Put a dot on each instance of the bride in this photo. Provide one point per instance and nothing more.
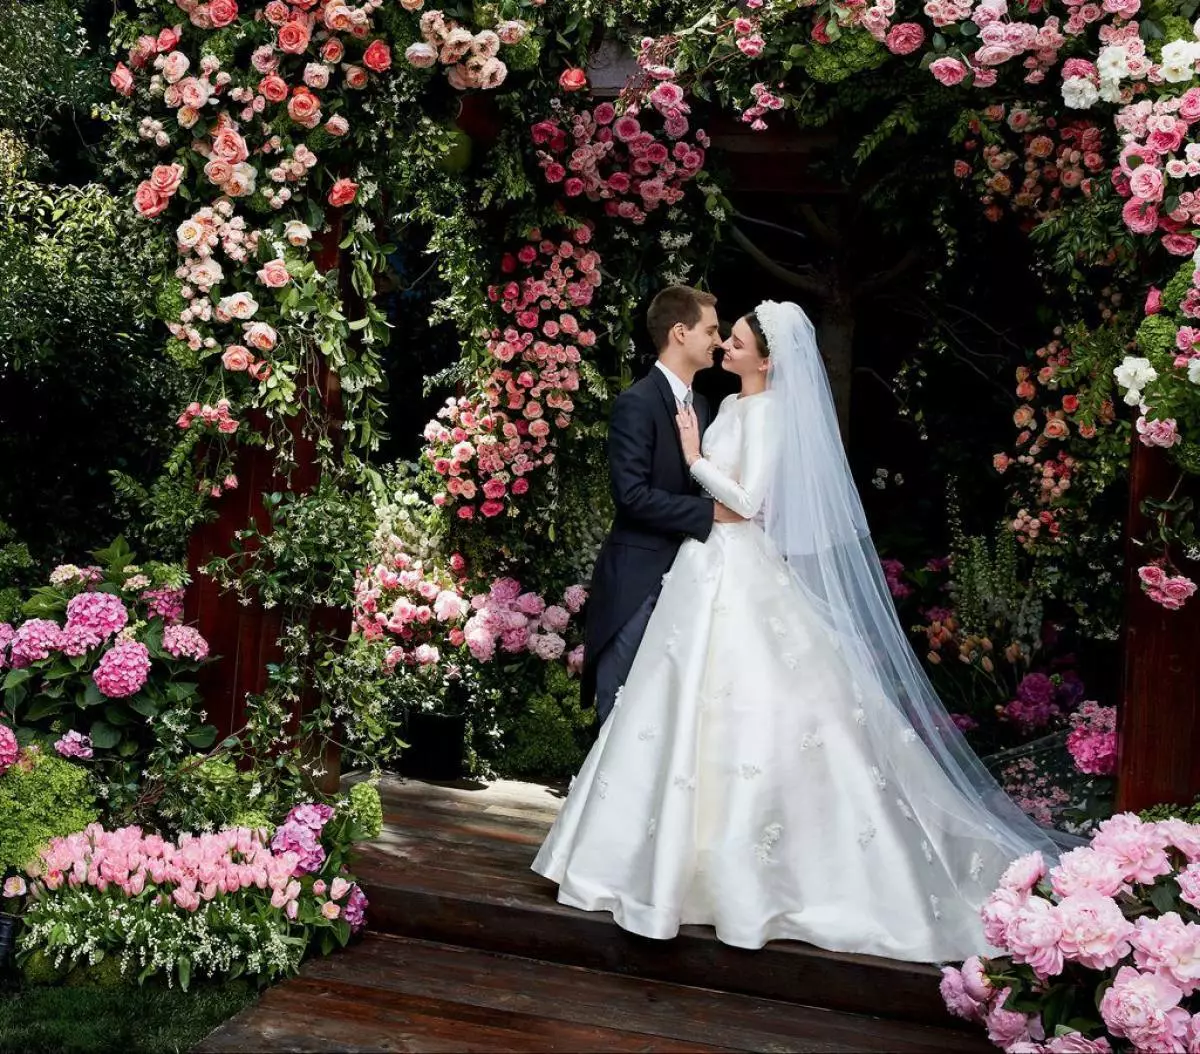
(777, 765)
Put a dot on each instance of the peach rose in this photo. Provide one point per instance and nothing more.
(378, 56)
(237, 358)
(277, 12)
(229, 146)
(122, 79)
(194, 93)
(274, 274)
(166, 178)
(222, 12)
(274, 88)
(186, 118)
(316, 75)
(261, 370)
(261, 336)
(304, 108)
(333, 50)
(421, 55)
(218, 171)
(297, 233)
(356, 77)
(337, 125)
(342, 192)
(1056, 428)
(293, 38)
(174, 66)
(148, 201)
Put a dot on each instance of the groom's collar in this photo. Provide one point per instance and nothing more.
(678, 387)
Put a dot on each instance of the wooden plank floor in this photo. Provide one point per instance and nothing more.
(473, 952)
(394, 994)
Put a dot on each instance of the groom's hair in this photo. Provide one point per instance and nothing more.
(676, 303)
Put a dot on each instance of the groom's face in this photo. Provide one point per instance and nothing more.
(703, 338)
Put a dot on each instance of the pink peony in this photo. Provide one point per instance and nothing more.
(1024, 873)
(998, 911)
(1006, 1028)
(1077, 1043)
(1094, 931)
(1032, 936)
(956, 998)
(1139, 847)
(1145, 1010)
(9, 750)
(1169, 948)
(123, 669)
(1085, 869)
(574, 598)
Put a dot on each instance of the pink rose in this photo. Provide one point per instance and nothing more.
(293, 37)
(1147, 183)
(948, 71)
(337, 125)
(1152, 575)
(905, 38)
(222, 12)
(229, 146)
(274, 274)
(122, 79)
(166, 178)
(304, 108)
(572, 79)
(377, 57)
(169, 37)
(342, 193)
(356, 77)
(148, 201)
(237, 358)
(1141, 217)
(1178, 588)
(261, 336)
(1162, 433)
(333, 50)
(1153, 301)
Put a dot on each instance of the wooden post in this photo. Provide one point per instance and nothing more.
(245, 636)
(1158, 760)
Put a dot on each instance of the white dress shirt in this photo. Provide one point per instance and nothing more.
(679, 389)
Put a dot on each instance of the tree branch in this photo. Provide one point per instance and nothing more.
(880, 281)
(826, 234)
(767, 223)
(808, 282)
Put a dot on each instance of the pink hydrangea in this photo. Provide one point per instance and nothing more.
(101, 614)
(302, 840)
(164, 603)
(1144, 1009)
(313, 815)
(6, 635)
(185, 642)
(35, 639)
(9, 749)
(123, 669)
(74, 745)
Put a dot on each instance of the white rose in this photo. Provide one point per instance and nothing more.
(1079, 93)
(297, 233)
(1178, 62)
(1134, 374)
(1113, 62)
(1194, 371)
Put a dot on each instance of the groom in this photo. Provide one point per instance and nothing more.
(657, 503)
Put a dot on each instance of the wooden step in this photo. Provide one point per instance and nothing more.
(395, 994)
(452, 867)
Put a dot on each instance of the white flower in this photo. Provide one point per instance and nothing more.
(1110, 90)
(1193, 371)
(1079, 93)
(297, 233)
(1178, 62)
(1113, 62)
(1133, 375)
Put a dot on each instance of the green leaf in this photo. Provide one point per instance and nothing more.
(16, 678)
(144, 705)
(42, 707)
(91, 695)
(104, 735)
(202, 737)
(185, 972)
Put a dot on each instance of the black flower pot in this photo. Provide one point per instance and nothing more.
(8, 939)
(435, 746)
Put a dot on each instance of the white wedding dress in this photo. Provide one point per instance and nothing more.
(740, 782)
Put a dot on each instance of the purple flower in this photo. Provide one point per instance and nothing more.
(355, 911)
(74, 745)
(310, 815)
(296, 838)
(1036, 689)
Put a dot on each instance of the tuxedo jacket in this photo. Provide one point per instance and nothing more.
(658, 505)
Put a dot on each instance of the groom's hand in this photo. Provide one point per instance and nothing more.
(724, 514)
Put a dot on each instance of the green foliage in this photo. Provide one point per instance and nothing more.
(852, 53)
(550, 733)
(1156, 337)
(1188, 813)
(1175, 289)
(41, 797)
(135, 1020)
(202, 793)
(366, 809)
(15, 565)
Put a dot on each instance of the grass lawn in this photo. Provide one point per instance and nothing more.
(129, 1020)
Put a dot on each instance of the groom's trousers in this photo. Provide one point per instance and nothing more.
(616, 660)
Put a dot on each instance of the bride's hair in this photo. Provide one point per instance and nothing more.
(760, 337)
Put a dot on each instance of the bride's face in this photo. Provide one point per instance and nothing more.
(742, 356)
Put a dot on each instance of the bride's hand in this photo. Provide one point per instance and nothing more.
(689, 434)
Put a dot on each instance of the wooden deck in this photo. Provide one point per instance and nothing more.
(471, 952)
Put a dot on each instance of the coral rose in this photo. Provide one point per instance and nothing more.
(572, 79)
(222, 12)
(237, 358)
(166, 178)
(948, 71)
(122, 79)
(274, 88)
(148, 201)
(342, 192)
(274, 274)
(377, 57)
(293, 38)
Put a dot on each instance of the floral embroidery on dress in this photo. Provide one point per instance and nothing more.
(936, 906)
(783, 578)
(866, 835)
(666, 578)
(617, 697)
(602, 784)
(878, 777)
(856, 690)
(811, 739)
(767, 842)
(976, 867)
(909, 735)
(860, 716)
(907, 812)
(651, 827)
(672, 641)
(777, 626)
(685, 782)
(789, 660)
(927, 849)
(749, 771)
(647, 732)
